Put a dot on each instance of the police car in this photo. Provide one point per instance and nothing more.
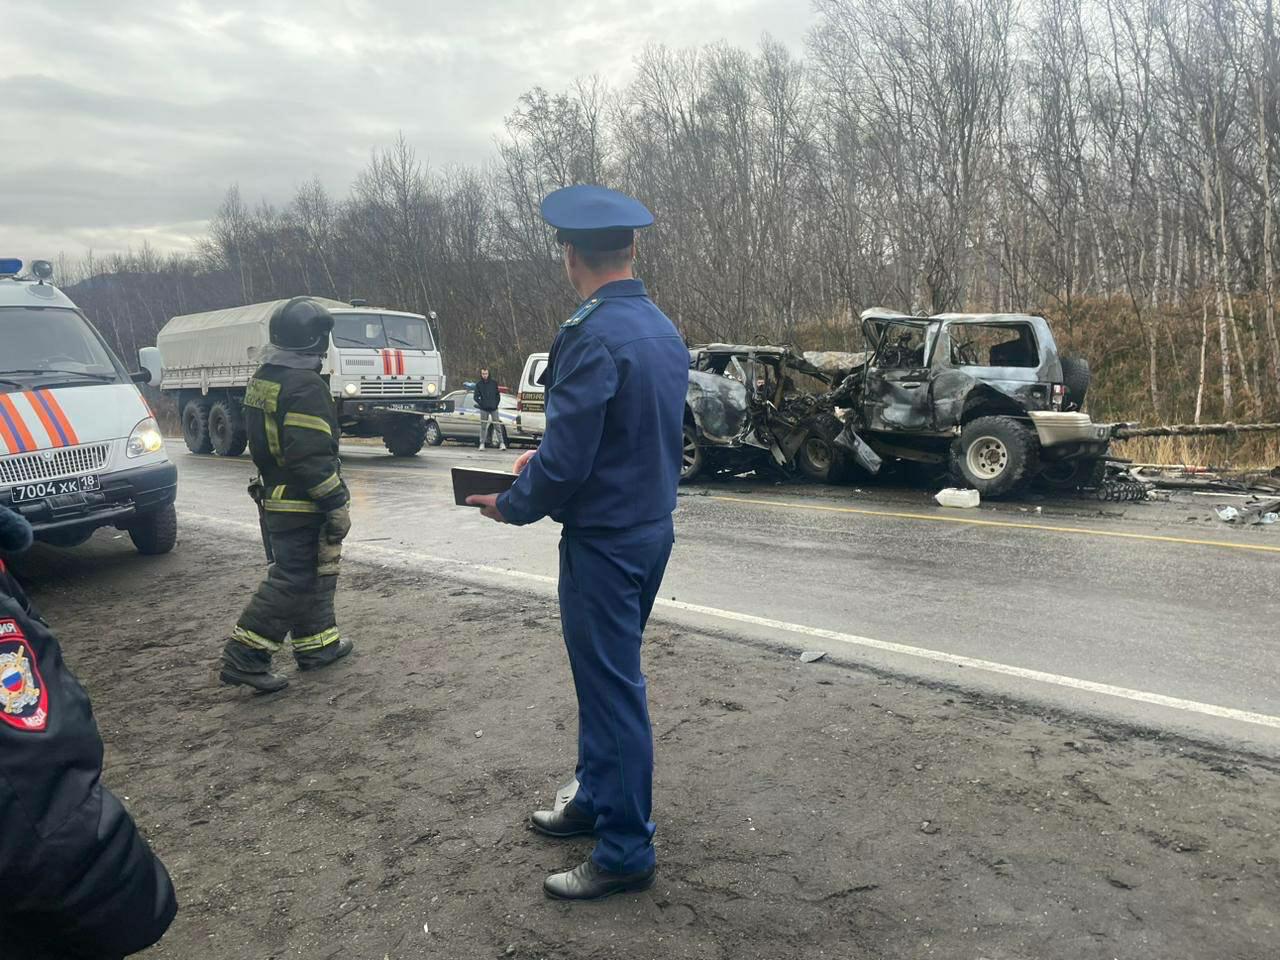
(79, 447)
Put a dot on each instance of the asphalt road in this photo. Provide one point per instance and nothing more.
(1156, 615)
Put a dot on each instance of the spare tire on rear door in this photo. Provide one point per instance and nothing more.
(995, 455)
(1076, 378)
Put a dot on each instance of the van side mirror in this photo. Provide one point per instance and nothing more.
(152, 366)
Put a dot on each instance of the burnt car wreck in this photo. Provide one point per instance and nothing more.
(988, 397)
(758, 407)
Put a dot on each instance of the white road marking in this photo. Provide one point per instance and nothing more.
(417, 562)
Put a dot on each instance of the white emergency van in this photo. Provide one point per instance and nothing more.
(79, 447)
(531, 398)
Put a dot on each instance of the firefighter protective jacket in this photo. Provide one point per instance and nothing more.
(293, 436)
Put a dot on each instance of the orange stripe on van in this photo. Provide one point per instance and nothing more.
(23, 436)
(46, 419)
(56, 409)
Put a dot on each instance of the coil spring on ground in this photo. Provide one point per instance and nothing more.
(1122, 490)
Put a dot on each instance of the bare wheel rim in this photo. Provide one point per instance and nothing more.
(987, 458)
(690, 452)
(818, 452)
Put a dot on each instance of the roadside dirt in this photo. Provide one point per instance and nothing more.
(377, 810)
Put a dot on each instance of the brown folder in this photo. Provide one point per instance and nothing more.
(469, 483)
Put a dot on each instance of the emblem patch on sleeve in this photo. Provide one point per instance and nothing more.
(24, 701)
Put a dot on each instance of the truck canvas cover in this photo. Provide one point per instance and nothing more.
(220, 340)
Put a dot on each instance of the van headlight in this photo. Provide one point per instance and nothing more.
(145, 438)
(432, 388)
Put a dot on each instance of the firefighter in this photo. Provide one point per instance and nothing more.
(80, 882)
(302, 502)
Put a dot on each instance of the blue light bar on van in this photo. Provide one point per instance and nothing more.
(10, 268)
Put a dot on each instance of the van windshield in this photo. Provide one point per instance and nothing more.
(377, 330)
(47, 346)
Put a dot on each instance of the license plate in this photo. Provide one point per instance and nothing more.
(26, 492)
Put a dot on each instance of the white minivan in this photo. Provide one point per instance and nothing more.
(531, 404)
(79, 447)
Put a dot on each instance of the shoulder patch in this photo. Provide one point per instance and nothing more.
(583, 312)
(24, 700)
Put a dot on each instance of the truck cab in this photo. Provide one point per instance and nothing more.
(79, 447)
(383, 368)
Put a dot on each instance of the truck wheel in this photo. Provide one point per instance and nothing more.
(995, 455)
(693, 458)
(227, 435)
(195, 426)
(434, 436)
(156, 532)
(1076, 378)
(405, 436)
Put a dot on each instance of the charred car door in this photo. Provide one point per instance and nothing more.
(896, 395)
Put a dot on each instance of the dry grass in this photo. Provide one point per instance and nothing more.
(1255, 452)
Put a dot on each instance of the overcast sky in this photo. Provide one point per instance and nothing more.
(124, 121)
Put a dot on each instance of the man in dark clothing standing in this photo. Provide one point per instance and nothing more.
(293, 437)
(607, 470)
(80, 882)
(488, 397)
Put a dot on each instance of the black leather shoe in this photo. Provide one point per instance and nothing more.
(587, 881)
(568, 821)
(245, 666)
(324, 656)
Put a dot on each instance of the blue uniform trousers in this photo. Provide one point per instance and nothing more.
(608, 582)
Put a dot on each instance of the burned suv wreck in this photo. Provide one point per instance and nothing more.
(987, 395)
(749, 407)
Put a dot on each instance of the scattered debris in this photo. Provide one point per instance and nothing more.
(479, 734)
(809, 656)
(929, 827)
(955, 497)
(1250, 514)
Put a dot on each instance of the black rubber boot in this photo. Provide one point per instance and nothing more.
(315, 659)
(245, 666)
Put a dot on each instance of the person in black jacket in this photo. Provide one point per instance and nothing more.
(488, 397)
(80, 883)
(293, 437)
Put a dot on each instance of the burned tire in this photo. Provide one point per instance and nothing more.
(156, 532)
(693, 459)
(816, 458)
(819, 459)
(1068, 475)
(227, 436)
(195, 426)
(405, 436)
(433, 434)
(1076, 378)
(995, 455)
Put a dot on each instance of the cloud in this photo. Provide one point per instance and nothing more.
(126, 122)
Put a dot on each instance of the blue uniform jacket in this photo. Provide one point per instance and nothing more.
(616, 384)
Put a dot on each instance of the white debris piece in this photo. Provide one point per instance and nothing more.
(955, 497)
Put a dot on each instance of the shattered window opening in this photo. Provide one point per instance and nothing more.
(993, 345)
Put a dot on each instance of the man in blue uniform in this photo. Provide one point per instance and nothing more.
(607, 470)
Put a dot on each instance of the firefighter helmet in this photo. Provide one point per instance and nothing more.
(301, 325)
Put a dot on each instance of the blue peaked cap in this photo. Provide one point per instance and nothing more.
(591, 216)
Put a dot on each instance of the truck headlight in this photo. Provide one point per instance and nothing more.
(351, 389)
(432, 388)
(145, 438)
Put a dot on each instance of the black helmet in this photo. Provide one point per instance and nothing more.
(301, 325)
